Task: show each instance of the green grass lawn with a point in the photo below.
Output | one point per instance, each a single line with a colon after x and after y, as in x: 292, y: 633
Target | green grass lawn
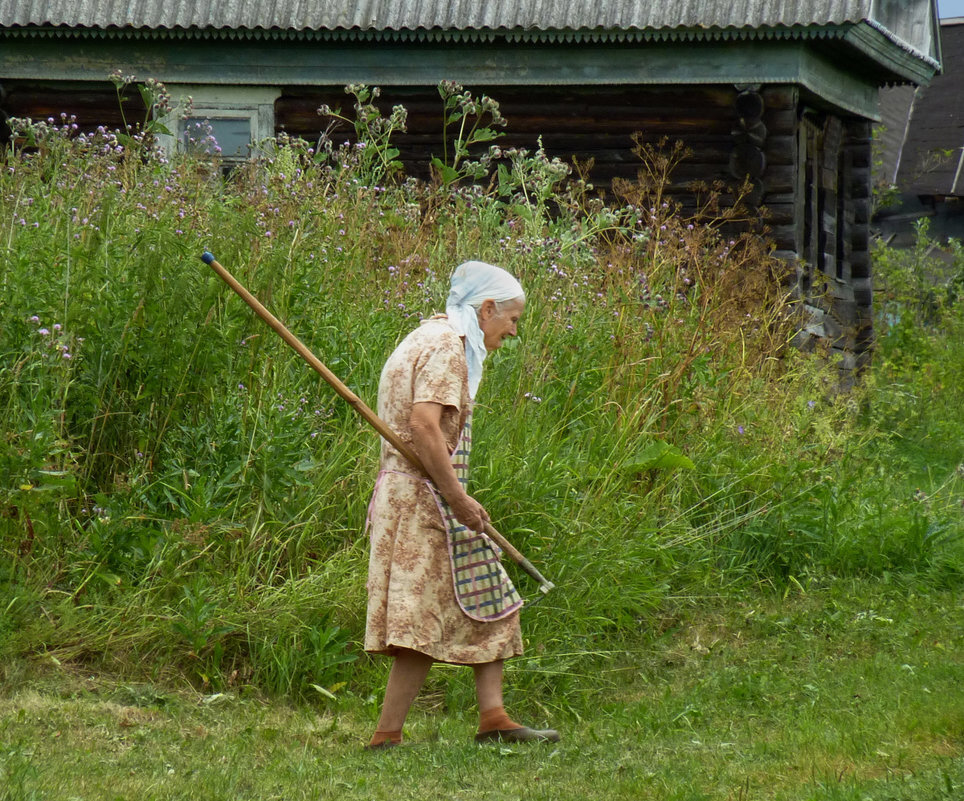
x: 844, y: 691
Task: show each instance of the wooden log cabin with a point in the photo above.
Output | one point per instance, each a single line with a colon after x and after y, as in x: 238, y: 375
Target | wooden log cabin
x: 781, y: 93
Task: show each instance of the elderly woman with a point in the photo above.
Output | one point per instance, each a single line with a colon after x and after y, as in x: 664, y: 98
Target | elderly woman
x: 436, y: 590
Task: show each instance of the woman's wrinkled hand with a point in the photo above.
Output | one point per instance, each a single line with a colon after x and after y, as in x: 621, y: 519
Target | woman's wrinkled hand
x: 470, y: 513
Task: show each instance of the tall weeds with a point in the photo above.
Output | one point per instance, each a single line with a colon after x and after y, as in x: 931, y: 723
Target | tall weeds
x: 179, y: 493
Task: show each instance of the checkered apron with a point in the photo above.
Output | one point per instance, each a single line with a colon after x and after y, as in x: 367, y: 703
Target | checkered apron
x: 482, y: 587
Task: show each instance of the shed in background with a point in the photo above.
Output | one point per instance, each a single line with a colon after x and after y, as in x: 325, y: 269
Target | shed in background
x: 920, y: 171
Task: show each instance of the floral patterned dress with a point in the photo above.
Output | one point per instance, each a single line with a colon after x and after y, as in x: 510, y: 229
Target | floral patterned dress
x: 411, y: 599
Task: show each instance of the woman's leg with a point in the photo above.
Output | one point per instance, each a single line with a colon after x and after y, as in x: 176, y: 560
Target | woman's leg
x: 488, y: 689
x: 488, y: 685
x: 494, y: 722
x: 407, y: 676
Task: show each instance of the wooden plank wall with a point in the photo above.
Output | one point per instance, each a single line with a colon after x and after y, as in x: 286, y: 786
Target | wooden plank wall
x: 580, y: 122
x: 857, y: 146
x: 832, y: 239
x: 587, y: 122
x: 91, y: 104
x: 731, y: 134
x: 780, y: 178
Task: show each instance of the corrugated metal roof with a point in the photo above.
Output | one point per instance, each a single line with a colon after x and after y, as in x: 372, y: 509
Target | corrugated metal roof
x: 908, y: 23
x: 447, y: 14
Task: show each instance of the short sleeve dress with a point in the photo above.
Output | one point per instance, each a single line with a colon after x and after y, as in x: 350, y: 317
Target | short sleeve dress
x: 411, y: 599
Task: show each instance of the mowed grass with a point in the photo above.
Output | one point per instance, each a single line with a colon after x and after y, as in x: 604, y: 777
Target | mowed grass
x: 840, y: 691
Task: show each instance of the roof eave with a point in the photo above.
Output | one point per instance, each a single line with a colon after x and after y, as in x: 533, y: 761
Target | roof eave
x: 905, y: 63
x: 889, y: 58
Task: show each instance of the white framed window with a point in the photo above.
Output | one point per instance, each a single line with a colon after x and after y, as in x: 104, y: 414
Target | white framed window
x: 231, y: 120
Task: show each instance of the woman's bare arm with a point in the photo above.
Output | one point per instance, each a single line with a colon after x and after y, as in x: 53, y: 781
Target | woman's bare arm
x: 429, y: 443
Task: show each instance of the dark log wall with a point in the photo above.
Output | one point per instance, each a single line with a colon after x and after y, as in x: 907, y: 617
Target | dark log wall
x: 777, y: 184
x: 857, y: 144
x: 581, y: 122
x: 828, y: 235
x: 92, y: 105
x: 731, y: 134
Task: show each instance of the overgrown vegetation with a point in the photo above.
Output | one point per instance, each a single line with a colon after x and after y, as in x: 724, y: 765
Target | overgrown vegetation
x: 181, y: 497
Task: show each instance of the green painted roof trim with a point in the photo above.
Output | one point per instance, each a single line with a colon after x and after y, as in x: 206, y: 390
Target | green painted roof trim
x: 825, y: 75
x: 904, y: 63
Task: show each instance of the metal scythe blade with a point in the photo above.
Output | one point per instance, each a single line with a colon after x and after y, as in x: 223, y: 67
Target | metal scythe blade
x: 359, y: 406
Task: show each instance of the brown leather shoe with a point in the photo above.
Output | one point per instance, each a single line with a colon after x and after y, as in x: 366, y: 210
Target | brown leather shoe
x: 521, y: 735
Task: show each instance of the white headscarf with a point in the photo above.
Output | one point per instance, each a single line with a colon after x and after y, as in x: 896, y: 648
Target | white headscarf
x: 473, y: 283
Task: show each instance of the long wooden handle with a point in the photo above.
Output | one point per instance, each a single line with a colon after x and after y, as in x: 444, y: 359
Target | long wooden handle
x: 359, y: 406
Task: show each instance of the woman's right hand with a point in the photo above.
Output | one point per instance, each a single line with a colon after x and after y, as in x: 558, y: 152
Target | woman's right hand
x: 470, y: 513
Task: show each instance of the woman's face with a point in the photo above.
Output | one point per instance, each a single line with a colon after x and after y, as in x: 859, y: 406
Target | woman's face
x: 497, y: 324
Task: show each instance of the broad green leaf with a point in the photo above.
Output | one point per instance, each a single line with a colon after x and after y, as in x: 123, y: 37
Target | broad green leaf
x: 659, y: 455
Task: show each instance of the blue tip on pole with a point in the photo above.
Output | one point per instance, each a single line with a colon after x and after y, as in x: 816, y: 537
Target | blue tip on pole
x: 207, y: 257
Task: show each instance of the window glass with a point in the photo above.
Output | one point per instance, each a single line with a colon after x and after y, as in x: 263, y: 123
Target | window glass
x: 231, y: 135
